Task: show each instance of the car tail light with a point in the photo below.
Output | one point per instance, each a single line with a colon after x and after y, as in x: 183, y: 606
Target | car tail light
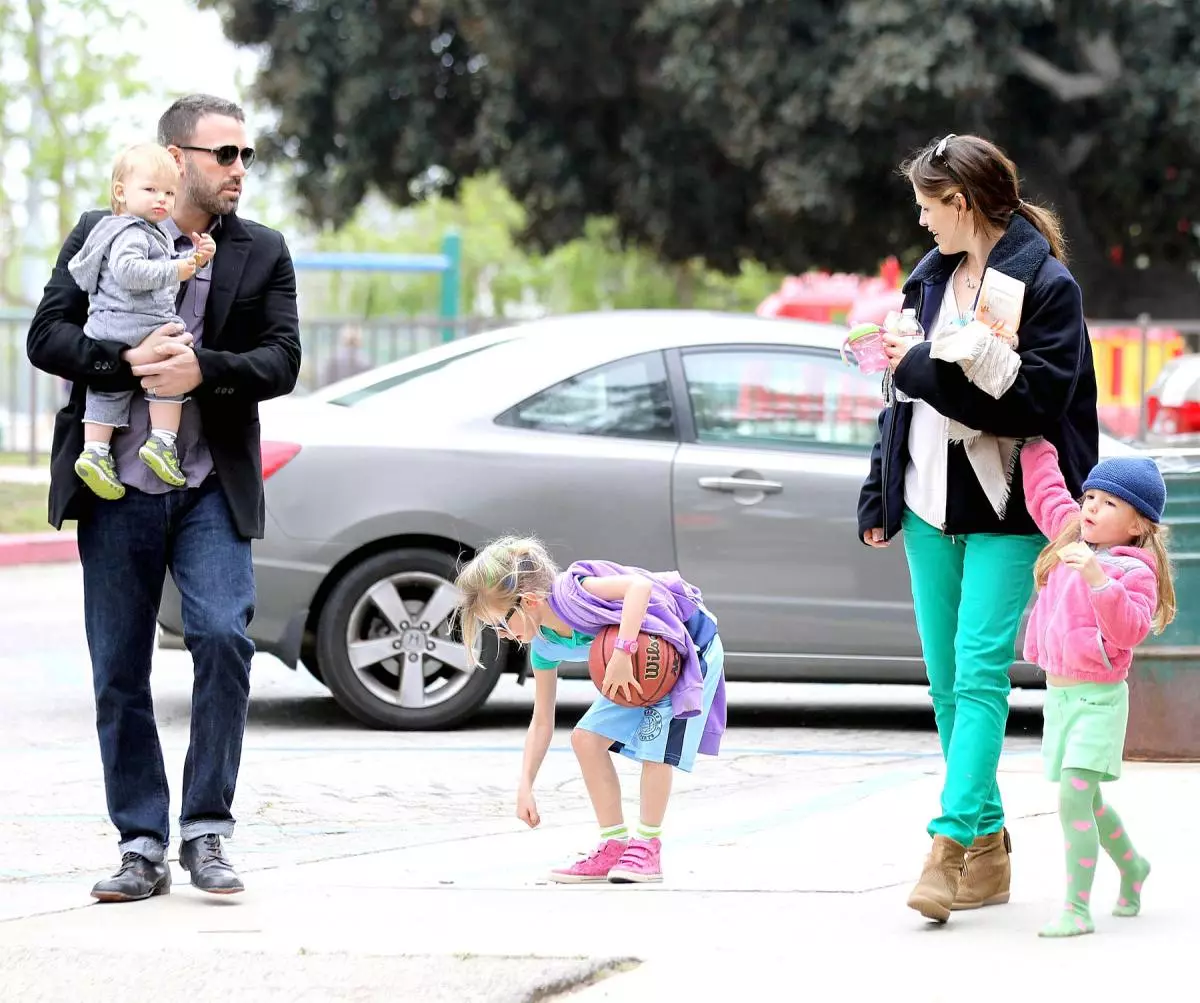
x: 275, y: 455
x: 1181, y: 420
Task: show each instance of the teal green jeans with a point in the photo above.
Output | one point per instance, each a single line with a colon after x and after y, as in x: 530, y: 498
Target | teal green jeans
x: 969, y: 593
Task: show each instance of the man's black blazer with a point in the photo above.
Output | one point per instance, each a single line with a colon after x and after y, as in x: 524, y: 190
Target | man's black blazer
x: 251, y: 352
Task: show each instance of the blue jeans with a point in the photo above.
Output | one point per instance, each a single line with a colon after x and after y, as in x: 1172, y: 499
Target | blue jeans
x: 126, y: 548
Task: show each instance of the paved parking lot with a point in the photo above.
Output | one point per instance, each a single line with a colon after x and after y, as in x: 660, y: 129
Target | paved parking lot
x: 385, y: 866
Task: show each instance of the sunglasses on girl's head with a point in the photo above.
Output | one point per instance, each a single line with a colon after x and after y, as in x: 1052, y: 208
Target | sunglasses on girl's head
x: 226, y: 155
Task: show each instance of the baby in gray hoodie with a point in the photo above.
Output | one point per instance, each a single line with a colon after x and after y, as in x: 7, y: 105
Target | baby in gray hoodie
x: 129, y: 269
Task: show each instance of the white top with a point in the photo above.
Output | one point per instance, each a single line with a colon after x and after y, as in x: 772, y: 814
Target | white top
x: 925, y: 480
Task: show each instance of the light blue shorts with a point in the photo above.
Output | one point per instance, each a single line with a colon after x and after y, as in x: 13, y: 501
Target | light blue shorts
x: 651, y: 734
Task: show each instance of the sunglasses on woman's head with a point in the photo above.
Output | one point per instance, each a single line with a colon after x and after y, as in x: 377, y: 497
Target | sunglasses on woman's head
x: 939, y: 153
x: 226, y: 155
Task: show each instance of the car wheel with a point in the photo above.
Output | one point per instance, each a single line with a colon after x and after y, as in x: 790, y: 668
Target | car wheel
x: 389, y: 652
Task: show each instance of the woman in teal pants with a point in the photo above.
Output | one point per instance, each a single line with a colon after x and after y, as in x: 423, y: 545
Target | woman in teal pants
x: 945, y: 472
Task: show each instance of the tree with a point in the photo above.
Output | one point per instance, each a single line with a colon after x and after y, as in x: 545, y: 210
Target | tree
x: 56, y: 122
x: 753, y: 129
x: 502, y: 279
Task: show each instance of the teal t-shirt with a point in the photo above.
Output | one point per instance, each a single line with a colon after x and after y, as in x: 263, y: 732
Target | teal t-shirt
x: 549, y: 648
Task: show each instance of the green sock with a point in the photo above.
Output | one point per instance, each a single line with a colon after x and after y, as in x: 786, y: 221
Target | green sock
x: 1116, y: 843
x: 619, y: 832
x: 1076, y: 793
x: 648, y: 832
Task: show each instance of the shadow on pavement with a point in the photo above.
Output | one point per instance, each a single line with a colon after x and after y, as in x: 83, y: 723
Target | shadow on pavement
x: 865, y: 717
x: 322, y: 711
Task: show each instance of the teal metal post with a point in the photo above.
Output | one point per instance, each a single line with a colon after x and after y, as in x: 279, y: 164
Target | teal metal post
x: 451, y: 284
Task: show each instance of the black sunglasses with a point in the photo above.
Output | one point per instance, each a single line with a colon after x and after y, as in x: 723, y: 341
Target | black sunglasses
x: 503, y: 624
x: 226, y: 155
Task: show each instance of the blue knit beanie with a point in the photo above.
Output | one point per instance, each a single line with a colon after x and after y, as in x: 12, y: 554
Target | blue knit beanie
x: 1136, y: 479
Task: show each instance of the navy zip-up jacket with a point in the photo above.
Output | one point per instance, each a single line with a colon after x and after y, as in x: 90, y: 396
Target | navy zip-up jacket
x: 1054, y: 394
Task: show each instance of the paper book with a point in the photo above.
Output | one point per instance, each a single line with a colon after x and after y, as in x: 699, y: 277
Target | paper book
x: 999, y: 306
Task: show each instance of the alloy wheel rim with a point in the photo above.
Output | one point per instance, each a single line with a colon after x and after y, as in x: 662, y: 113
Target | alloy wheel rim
x: 401, y: 642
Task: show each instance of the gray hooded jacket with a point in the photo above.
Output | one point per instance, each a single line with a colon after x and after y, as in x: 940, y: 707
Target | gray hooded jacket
x: 127, y: 268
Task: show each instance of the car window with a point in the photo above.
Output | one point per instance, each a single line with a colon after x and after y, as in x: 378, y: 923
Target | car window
x: 360, y: 395
x: 782, y: 399
x: 628, y: 398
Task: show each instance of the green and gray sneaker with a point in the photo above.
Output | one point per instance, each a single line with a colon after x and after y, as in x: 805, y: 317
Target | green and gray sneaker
x: 99, y: 473
x: 163, y: 460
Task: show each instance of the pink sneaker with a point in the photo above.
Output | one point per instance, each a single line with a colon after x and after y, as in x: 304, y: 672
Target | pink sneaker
x: 594, y: 867
x: 641, y: 862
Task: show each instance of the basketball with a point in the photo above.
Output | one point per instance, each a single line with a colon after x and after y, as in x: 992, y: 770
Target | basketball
x: 656, y: 666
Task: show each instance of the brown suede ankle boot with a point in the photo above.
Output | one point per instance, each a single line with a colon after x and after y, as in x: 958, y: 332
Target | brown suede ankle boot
x: 989, y: 872
x: 936, y: 890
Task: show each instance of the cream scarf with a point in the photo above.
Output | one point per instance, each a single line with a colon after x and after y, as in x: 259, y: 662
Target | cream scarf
x: 991, y: 363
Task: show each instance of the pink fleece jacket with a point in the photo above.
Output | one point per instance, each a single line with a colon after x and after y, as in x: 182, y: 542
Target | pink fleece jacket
x: 1077, y: 631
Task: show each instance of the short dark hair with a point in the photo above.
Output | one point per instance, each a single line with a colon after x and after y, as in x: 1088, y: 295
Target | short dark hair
x: 178, y: 123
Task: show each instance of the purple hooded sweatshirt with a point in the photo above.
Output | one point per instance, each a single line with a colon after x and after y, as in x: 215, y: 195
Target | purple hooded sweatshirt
x: 672, y: 603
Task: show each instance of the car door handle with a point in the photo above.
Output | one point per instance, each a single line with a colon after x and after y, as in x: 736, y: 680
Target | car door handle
x: 740, y: 484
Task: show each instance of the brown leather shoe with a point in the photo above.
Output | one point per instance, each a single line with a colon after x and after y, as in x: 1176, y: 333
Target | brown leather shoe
x: 988, y: 876
x: 935, y: 892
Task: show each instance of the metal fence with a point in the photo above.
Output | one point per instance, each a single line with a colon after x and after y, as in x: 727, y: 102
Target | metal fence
x: 333, y: 347
x: 336, y: 347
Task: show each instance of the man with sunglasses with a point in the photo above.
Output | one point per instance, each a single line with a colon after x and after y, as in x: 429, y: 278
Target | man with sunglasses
x: 241, y: 346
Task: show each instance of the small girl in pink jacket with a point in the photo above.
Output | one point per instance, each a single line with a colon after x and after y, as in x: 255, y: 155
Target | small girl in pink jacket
x: 1104, y: 583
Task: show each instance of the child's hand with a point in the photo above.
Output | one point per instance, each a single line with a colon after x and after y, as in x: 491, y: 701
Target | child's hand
x: 618, y: 676
x: 206, y: 248
x: 1079, y: 557
x: 527, y: 808
x: 185, y: 268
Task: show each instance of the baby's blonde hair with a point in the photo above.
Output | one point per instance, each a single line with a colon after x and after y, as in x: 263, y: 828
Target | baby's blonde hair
x: 496, y: 578
x: 1153, y: 538
x: 156, y: 159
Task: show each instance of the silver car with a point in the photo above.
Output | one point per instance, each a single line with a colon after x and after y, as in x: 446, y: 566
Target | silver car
x: 729, y: 447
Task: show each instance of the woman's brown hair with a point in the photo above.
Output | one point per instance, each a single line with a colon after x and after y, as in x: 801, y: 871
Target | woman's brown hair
x: 987, y: 179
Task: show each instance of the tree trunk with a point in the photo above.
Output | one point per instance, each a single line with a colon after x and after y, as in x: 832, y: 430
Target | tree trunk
x: 35, y: 58
x: 685, y: 286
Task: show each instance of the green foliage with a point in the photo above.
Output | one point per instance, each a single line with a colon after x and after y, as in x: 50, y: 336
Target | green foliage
x: 502, y: 278
x: 767, y: 130
x: 62, y: 79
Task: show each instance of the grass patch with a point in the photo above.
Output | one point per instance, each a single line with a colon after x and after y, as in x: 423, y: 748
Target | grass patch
x: 23, y: 508
x: 22, y: 460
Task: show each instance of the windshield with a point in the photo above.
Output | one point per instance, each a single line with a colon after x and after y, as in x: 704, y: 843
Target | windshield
x: 359, y: 395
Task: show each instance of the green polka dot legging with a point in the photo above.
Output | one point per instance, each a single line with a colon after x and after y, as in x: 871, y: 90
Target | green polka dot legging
x: 1090, y: 825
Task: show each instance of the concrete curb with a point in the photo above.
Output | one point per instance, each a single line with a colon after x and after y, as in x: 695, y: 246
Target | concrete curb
x: 38, y: 548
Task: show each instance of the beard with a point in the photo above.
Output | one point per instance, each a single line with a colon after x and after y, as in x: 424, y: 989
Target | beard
x: 216, y: 200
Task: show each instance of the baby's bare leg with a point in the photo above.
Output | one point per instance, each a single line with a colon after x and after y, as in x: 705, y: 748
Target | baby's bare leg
x: 97, y: 433
x: 164, y: 416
